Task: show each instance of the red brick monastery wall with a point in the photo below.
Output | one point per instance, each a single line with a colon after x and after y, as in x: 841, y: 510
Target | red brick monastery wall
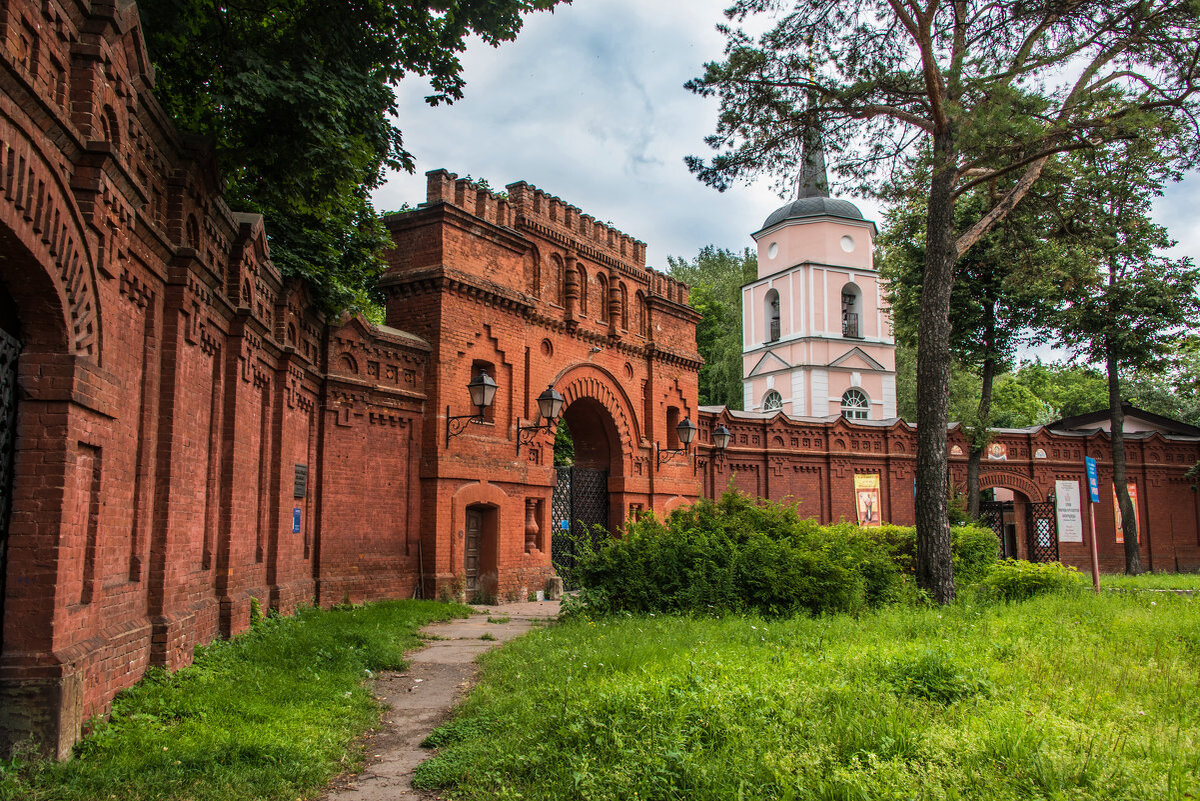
x: 169, y: 384
x: 813, y: 463
x: 191, y: 434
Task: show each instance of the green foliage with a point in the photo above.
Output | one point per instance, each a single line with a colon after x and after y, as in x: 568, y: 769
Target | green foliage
x: 1016, y: 580
x: 964, y: 387
x: 975, y: 549
x: 564, y: 445
x: 1152, y: 581
x: 716, y: 278
x: 934, y: 675
x: 741, y: 555
x: 270, y: 714
x: 1058, y: 697
x: 297, y: 100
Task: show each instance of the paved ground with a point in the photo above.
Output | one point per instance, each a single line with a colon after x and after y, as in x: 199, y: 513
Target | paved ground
x: 421, y: 698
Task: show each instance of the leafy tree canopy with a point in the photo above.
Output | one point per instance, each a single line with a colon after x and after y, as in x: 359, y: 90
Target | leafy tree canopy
x: 988, y: 92
x: 296, y: 96
x: 716, y: 277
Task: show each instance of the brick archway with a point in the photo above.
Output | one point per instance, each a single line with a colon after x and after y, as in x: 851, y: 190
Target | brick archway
x: 593, y: 385
x: 38, y: 216
x: 1010, y: 481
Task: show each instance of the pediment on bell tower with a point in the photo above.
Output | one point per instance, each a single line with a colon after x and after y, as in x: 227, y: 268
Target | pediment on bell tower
x: 857, y: 359
x: 769, y: 363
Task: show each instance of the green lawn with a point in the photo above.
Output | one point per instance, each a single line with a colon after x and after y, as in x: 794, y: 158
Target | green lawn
x: 1152, y: 581
x: 1055, y: 698
x: 271, y: 714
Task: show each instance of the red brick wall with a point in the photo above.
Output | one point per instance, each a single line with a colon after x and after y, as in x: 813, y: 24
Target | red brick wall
x: 813, y: 465
x: 478, y: 276
x: 169, y: 384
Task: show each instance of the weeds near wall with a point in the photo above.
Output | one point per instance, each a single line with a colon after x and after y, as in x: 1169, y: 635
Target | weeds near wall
x: 270, y: 714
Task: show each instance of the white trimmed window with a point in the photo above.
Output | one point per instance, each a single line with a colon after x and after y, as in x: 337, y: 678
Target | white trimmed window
x: 772, y: 401
x: 856, y: 405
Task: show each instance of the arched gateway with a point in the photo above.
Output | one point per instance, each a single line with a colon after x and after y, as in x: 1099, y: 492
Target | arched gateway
x: 535, y: 294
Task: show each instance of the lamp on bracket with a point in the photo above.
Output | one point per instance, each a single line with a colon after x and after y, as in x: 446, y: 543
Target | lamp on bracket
x: 686, y: 431
x: 549, y: 404
x: 721, y: 437
x: 483, y: 391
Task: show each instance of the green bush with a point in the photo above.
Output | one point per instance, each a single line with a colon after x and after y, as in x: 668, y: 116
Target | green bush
x: 1014, y: 580
x: 740, y: 555
x: 975, y: 550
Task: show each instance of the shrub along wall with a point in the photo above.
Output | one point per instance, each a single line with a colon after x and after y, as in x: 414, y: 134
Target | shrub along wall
x: 737, y: 554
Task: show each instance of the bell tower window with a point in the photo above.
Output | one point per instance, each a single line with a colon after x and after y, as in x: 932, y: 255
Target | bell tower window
x: 771, y: 315
x: 856, y: 405
x: 851, y: 311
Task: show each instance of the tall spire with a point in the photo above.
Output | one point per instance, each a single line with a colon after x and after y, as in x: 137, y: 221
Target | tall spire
x: 814, y: 181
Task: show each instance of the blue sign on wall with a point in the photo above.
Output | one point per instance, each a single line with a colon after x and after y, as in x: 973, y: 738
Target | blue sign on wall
x: 565, y: 525
x: 295, y: 521
x: 1093, y: 479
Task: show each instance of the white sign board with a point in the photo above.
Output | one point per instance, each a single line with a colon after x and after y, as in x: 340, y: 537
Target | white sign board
x: 1070, y: 511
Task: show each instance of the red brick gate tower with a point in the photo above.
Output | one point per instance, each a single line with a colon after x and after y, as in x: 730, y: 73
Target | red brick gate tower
x: 535, y: 293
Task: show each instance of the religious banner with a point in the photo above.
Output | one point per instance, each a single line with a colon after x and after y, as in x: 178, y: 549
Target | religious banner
x: 1070, y: 511
x: 1137, y: 523
x: 866, y: 498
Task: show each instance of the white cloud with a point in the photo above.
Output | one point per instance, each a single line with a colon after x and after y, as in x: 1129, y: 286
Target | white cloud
x: 588, y: 104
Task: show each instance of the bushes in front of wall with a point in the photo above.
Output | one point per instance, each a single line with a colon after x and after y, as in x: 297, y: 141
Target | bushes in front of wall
x: 975, y: 550
x: 740, y: 555
x: 1014, y: 580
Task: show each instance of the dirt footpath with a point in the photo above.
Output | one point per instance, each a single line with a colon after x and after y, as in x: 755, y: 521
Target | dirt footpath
x: 420, y: 699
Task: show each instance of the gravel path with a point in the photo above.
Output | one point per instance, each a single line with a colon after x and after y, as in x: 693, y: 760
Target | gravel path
x: 420, y: 699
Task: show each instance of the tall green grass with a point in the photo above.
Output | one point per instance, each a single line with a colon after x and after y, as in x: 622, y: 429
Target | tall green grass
x: 1152, y: 581
x: 270, y: 714
x: 1058, y: 697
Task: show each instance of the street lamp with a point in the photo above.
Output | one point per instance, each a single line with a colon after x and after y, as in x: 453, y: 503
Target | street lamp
x: 686, y: 432
x: 549, y: 404
x: 483, y: 391
x: 721, y: 437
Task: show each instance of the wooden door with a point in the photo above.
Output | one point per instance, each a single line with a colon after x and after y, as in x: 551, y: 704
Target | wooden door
x: 471, y: 550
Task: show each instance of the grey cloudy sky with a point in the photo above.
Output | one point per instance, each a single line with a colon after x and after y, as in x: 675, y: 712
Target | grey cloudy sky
x: 588, y: 104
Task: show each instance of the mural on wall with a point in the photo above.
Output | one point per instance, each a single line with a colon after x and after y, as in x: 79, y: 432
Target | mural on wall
x: 1119, y: 520
x: 866, y: 498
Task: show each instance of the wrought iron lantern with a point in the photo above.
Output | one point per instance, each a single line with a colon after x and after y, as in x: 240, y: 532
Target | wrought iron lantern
x: 721, y: 437
x: 482, y: 389
x: 686, y: 431
x: 550, y: 404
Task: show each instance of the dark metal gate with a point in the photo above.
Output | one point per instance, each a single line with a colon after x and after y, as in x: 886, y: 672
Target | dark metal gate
x: 1041, y: 529
x: 995, y: 515
x: 580, y: 504
x: 10, y: 347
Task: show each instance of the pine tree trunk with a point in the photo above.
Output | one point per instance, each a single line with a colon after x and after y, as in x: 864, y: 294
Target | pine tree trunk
x: 979, y: 437
x: 1133, y: 558
x: 935, y: 570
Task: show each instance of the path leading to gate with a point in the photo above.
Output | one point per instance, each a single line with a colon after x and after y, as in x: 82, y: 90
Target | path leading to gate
x: 420, y: 698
